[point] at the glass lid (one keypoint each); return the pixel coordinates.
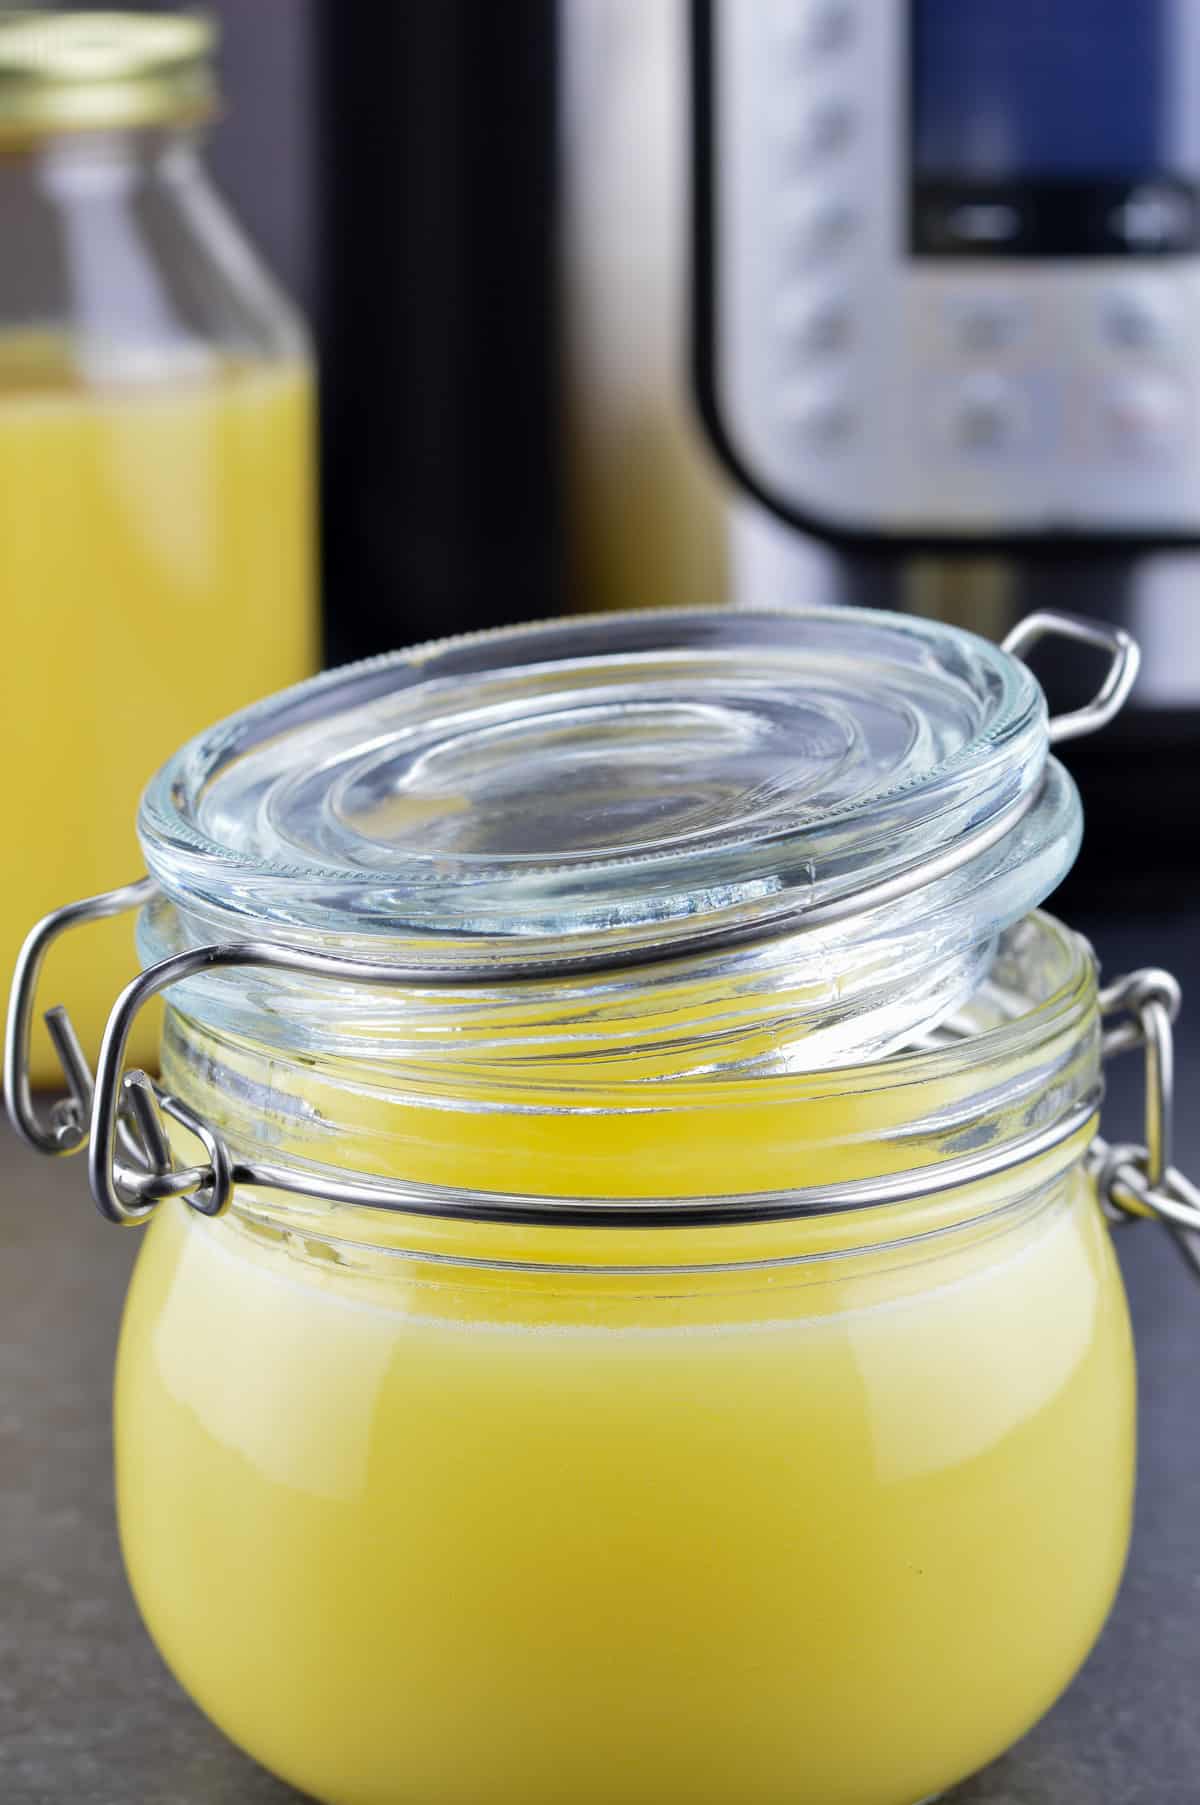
(620, 785)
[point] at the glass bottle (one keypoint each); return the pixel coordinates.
(156, 470)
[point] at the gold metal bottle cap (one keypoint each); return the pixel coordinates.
(73, 72)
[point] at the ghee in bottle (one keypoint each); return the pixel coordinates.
(156, 452)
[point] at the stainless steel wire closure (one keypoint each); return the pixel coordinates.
(1139, 1180)
(1124, 659)
(131, 1164)
(119, 1115)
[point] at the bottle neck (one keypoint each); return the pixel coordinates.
(127, 268)
(61, 166)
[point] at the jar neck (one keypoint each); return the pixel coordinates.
(797, 1003)
(575, 1134)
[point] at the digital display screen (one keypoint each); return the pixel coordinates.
(1068, 127)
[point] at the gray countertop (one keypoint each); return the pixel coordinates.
(89, 1715)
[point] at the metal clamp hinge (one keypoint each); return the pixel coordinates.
(120, 1112)
(1139, 1180)
(119, 1115)
(1124, 659)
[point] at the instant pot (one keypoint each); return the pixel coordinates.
(945, 304)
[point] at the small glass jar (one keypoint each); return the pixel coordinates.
(156, 467)
(627, 1312)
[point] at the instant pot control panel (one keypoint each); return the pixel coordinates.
(947, 279)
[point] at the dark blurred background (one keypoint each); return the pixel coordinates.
(396, 167)
(525, 236)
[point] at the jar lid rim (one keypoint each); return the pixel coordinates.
(624, 782)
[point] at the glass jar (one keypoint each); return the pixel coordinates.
(627, 1313)
(156, 483)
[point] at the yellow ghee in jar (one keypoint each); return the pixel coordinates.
(833, 1530)
(156, 568)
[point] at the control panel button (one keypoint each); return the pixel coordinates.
(828, 127)
(1143, 416)
(830, 24)
(1132, 320)
(986, 414)
(818, 228)
(981, 325)
(820, 417)
(814, 328)
(815, 25)
(946, 223)
(809, 132)
(1154, 217)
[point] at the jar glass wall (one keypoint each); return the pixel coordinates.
(757, 1506)
(626, 1311)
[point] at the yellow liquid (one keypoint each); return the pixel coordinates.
(822, 1534)
(156, 572)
